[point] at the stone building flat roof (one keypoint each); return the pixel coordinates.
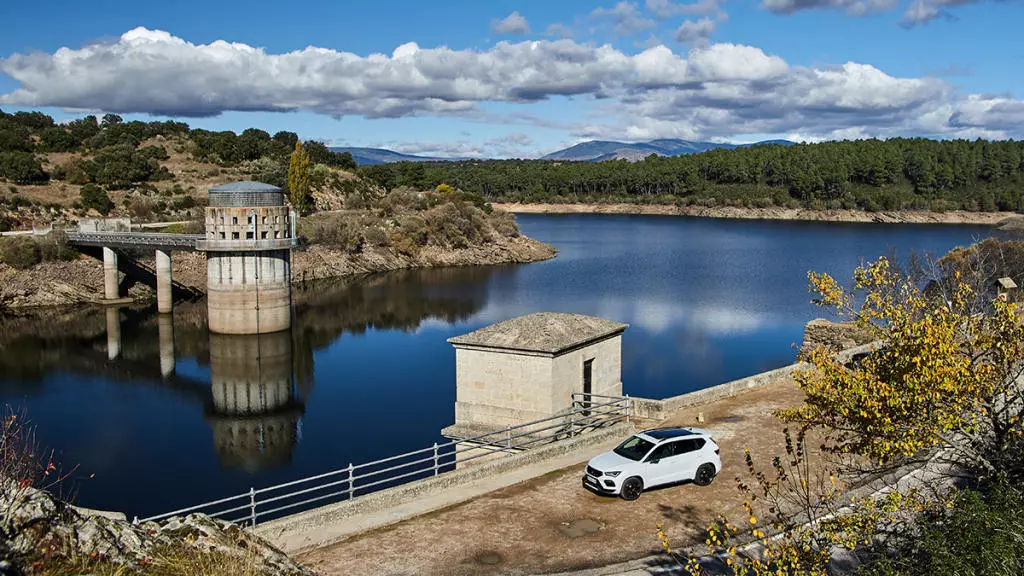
(547, 332)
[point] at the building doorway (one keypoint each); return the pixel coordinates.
(588, 383)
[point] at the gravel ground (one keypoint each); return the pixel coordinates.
(552, 524)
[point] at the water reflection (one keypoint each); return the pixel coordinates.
(255, 410)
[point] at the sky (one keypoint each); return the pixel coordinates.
(495, 78)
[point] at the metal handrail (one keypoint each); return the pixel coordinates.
(443, 457)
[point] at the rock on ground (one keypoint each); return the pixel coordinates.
(34, 526)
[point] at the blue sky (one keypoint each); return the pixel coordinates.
(522, 78)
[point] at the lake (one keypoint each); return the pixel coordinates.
(366, 371)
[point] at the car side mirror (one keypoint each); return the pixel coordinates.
(654, 461)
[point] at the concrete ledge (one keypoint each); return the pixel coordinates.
(334, 522)
(662, 409)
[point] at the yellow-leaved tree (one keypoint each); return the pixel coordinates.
(941, 390)
(298, 179)
(947, 377)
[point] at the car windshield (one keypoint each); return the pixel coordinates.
(634, 448)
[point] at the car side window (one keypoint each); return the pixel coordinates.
(690, 445)
(663, 451)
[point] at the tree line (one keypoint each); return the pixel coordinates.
(894, 174)
(119, 161)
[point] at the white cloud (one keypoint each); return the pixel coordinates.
(514, 23)
(713, 91)
(917, 12)
(667, 8)
(557, 30)
(626, 18)
(924, 11)
(693, 30)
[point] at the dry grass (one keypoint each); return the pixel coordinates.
(180, 560)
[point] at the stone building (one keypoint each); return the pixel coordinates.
(528, 368)
(249, 236)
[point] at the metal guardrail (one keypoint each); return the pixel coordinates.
(360, 479)
(132, 239)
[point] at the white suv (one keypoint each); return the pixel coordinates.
(652, 458)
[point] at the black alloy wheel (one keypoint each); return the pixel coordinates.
(705, 475)
(631, 488)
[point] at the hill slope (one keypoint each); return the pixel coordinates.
(371, 156)
(600, 150)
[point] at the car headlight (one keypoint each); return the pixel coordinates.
(612, 474)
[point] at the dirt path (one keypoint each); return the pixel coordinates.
(552, 524)
(774, 213)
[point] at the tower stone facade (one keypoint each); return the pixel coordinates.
(249, 236)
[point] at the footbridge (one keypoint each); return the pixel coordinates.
(112, 234)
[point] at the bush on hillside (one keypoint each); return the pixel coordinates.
(55, 247)
(19, 252)
(22, 168)
(95, 198)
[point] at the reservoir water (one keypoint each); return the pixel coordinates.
(366, 372)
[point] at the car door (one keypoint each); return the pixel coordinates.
(689, 457)
(658, 463)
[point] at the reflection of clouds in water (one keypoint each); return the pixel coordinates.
(725, 321)
(654, 316)
(432, 323)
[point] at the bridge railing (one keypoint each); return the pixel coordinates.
(142, 239)
(248, 508)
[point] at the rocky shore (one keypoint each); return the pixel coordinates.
(81, 280)
(775, 213)
(41, 534)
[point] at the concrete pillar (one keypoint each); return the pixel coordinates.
(164, 299)
(113, 333)
(165, 324)
(110, 291)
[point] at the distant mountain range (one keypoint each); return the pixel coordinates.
(366, 156)
(590, 151)
(599, 150)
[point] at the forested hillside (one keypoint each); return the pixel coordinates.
(148, 170)
(861, 174)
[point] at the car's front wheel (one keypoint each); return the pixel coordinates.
(705, 474)
(631, 488)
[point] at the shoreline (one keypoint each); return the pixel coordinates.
(774, 213)
(55, 284)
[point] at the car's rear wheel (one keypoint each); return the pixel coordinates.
(705, 475)
(631, 488)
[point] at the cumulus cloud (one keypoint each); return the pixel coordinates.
(557, 30)
(713, 91)
(852, 7)
(924, 11)
(514, 23)
(507, 146)
(626, 17)
(667, 8)
(693, 30)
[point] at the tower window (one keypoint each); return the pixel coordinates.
(248, 235)
(234, 235)
(234, 220)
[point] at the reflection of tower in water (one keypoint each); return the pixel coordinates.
(255, 410)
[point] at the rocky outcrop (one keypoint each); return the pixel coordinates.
(773, 213)
(39, 530)
(835, 336)
(79, 281)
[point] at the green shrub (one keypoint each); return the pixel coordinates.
(504, 223)
(375, 237)
(22, 168)
(19, 252)
(55, 247)
(95, 198)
